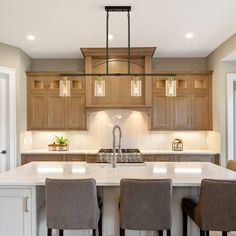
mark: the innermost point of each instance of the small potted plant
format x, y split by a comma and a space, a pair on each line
61, 144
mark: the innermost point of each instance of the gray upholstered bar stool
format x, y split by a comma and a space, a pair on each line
72, 204
145, 205
216, 208
231, 165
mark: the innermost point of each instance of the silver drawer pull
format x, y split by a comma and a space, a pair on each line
26, 204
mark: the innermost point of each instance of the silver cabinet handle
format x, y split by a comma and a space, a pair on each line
26, 204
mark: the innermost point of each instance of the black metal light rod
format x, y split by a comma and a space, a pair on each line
121, 74
128, 42
107, 46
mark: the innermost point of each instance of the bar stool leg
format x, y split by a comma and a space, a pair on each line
160, 232
122, 232
202, 232
49, 232
100, 226
224, 233
94, 232
61, 232
168, 232
185, 223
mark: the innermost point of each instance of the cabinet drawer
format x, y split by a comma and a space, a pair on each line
75, 157
26, 158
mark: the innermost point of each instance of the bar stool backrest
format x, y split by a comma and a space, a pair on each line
231, 165
71, 204
217, 205
145, 204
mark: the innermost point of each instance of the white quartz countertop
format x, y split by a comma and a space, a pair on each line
181, 173
45, 151
203, 152
95, 151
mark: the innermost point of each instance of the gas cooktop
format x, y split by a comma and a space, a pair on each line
127, 155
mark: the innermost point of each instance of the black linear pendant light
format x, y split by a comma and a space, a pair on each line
127, 9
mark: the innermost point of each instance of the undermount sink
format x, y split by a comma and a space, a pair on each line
109, 165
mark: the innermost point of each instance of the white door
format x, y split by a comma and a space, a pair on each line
3, 123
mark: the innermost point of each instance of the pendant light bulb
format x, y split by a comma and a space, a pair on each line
99, 87
65, 87
171, 87
136, 87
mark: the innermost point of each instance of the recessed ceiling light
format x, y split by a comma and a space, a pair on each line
31, 37
110, 37
189, 35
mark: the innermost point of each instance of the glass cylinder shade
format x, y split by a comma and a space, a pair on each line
136, 87
170, 87
99, 87
65, 87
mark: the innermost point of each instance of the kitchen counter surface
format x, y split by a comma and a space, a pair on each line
45, 151
182, 173
203, 152
95, 151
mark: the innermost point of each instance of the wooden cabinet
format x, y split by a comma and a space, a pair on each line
161, 117
37, 111
213, 158
16, 212
75, 112
26, 158
118, 88
49, 111
189, 110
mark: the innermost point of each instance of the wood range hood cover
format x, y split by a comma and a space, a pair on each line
118, 88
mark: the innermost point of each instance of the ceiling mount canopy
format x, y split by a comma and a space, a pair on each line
118, 9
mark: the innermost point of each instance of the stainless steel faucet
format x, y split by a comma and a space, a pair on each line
114, 144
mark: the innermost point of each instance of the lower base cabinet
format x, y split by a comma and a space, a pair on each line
16, 212
213, 158
26, 158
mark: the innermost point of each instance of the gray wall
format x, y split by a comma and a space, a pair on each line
58, 65
159, 64
215, 62
15, 58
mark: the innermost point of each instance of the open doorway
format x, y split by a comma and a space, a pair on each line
231, 115
7, 119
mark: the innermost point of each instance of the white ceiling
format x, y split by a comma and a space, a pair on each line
62, 27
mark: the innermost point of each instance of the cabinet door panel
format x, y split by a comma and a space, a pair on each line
200, 111
182, 112
37, 111
161, 112
56, 111
76, 114
15, 214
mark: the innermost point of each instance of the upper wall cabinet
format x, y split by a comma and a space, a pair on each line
118, 91
47, 110
189, 110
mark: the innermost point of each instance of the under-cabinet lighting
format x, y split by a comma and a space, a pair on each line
65, 87
158, 170
188, 170
50, 170
99, 87
171, 87
136, 87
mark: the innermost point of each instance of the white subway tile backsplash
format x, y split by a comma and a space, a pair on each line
135, 133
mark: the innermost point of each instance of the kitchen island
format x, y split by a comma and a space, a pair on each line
22, 199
